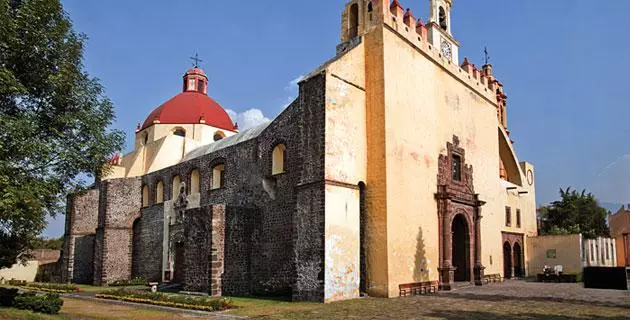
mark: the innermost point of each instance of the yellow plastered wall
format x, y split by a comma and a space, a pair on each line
568, 253
341, 263
345, 167
20, 272
415, 108
156, 148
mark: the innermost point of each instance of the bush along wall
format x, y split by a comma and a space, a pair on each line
174, 301
51, 287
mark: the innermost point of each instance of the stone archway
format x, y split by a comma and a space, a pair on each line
507, 260
517, 253
513, 265
461, 249
459, 219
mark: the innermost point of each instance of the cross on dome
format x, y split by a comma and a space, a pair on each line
196, 60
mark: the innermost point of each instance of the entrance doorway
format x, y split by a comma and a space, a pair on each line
518, 262
461, 249
178, 275
507, 260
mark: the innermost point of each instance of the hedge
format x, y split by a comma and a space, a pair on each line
174, 301
51, 287
134, 282
47, 303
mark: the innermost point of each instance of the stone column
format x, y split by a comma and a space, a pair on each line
478, 268
447, 272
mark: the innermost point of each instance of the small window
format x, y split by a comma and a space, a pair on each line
180, 132
145, 138
194, 182
177, 182
145, 196
200, 85
218, 176
219, 135
607, 253
370, 7
278, 159
191, 84
592, 252
457, 167
159, 192
518, 218
508, 216
353, 28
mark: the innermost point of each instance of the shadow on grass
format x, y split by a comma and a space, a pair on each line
499, 298
458, 315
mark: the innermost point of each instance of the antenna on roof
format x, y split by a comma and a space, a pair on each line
196, 60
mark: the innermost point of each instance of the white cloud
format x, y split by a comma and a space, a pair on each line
292, 90
248, 119
254, 117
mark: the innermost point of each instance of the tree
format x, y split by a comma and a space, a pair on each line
54, 120
44, 243
574, 213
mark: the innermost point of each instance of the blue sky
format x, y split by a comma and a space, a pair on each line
563, 64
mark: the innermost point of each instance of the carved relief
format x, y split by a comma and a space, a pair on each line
456, 197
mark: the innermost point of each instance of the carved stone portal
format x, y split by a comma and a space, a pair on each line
459, 216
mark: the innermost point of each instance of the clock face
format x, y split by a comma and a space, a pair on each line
530, 177
446, 49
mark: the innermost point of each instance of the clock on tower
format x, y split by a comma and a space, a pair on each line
439, 27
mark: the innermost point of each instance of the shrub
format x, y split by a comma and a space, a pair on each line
140, 281
52, 287
49, 303
7, 296
176, 301
14, 282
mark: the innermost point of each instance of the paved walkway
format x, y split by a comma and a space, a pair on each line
551, 292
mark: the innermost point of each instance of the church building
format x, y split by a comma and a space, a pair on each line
393, 167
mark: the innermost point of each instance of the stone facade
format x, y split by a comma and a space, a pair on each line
78, 248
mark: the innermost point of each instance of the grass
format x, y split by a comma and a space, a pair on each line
427, 307
11, 313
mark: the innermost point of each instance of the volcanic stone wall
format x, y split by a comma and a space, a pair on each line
148, 232
119, 207
266, 251
78, 250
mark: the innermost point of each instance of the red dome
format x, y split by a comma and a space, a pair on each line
189, 108
195, 71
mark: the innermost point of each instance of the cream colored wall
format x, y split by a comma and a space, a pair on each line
341, 262
20, 272
568, 253
345, 166
426, 103
163, 149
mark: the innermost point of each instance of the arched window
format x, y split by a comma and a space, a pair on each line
353, 22
218, 176
200, 85
180, 132
177, 182
370, 7
194, 182
457, 167
443, 19
219, 135
145, 196
145, 138
279, 157
159, 192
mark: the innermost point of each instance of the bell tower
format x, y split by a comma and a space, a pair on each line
439, 27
